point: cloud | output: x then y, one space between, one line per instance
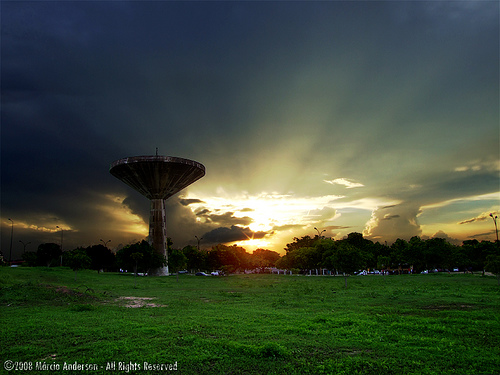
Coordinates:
232 234
287 227
400 222
322 214
390 217
441 234
471 198
485 235
343 181
481 217
221 83
490 165
187 202
225 219
202 212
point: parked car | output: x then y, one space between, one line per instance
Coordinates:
201 274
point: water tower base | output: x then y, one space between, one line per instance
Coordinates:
163 271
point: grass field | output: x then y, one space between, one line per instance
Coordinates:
250 324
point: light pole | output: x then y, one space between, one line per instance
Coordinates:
199 239
24 245
496 228
11 236
57 226
105 243
319 233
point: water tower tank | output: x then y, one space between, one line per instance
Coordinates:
157 178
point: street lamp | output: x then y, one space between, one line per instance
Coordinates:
199 239
105 243
319 233
11 236
24 245
496 228
57 226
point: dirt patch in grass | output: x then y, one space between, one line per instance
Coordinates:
136 302
42 294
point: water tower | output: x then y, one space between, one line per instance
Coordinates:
157 178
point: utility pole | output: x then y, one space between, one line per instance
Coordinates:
199 239
105 243
24 245
496 228
57 226
319 233
11 236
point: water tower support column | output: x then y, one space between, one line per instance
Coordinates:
158 231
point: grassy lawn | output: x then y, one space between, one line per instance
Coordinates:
252 324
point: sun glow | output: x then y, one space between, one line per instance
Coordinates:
253 244
276 218
43 224
269 210
123 217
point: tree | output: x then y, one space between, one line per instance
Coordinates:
176 260
150 258
228 258
101 257
306 258
493 265
77 259
30 258
47 252
287 261
347 259
415 254
298 243
265 258
436 252
383 262
399 250
136 257
196 259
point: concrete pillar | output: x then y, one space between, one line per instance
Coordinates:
158 232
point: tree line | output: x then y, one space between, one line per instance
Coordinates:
304 254
141 257
356 253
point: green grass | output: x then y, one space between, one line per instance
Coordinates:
253 324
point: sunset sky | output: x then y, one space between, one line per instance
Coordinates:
347 116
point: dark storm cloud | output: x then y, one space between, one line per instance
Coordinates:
389 206
187 202
234 233
202 212
482 235
389 217
335 227
226 219
243 87
138 205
